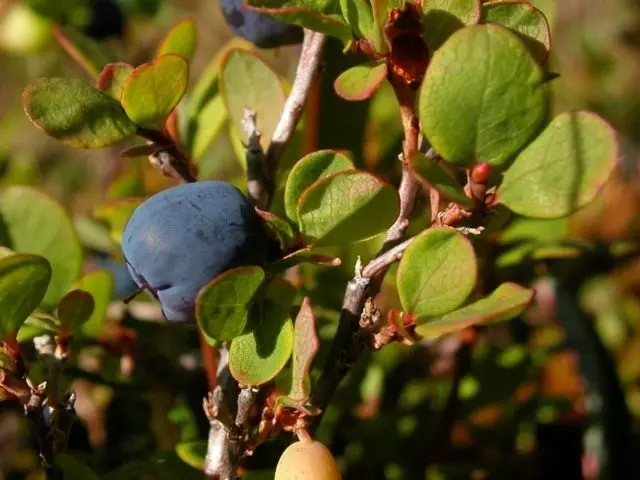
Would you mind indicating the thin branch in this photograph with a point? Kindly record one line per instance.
(169, 159)
(383, 261)
(257, 180)
(308, 67)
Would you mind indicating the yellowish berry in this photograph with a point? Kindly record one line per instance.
(307, 460)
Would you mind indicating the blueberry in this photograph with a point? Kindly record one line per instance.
(181, 238)
(260, 29)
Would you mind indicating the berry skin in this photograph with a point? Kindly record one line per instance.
(307, 460)
(260, 29)
(181, 238)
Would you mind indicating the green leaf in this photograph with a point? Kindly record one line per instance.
(94, 235)
(442, 18)
(534, 230)
(255, 357)
(483, 97)
(380, 12)
(23, 283)
(563, 169)
(524, 19)
(74, 469)
(38, 323)
(280, 230)
(360, 82)
(36, 224)
(308, 169)
(206, 113)
(246, 81)
(435, 176)
(192, 453)
(346, 207)
(181, 40)
(359, 16)
(153, 90)
(76, 114)
(437, 273)
(116, 214)
(75, 308)
(112, 78)
(85, 51)
(304, 350)
(318, 15)
(100, 285)
(506, 302)
(222, 306)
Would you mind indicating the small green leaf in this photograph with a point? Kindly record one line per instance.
(222, 306)
(38, 323)
(437, 273)
(435, 176)
(506, 302)
(359, 16)
(74, 469)
(280, 230)
(116, 214)
(380, 12)
(181, 40)
(246, 81)
(192, 453)
(309, 169)
(153, 90)
(85, 51)
(255, 357)
(483, 96)
(318, 15)
(360, 82)
(76, 114)
(281, 292)
(304, 350)
(563, 169)
(75, 308)
(36, 224)
(523, 18)
(112, 78)
(94, 235)
(441, 18)
(100, 285)
(534, 230)
(23, 283)
(346, 207)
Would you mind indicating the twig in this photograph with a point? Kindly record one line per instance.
(169, 159)
(257, 180)
(383, 261)
(308, 67)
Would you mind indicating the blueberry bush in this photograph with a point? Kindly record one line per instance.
(359, 239)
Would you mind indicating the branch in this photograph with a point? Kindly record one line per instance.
(308, 67)
(257, 179)
(169, 159)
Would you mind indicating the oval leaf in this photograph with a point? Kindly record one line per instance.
(76, 114)
(346, 207)
(360, 82)
(153, 90)
(181, 40)
(506, 302)
(222, 306)
(258, 356)
(441, 18)
(437, 273)
(75, 309)
(279, 229)
(483, 97)
(248, 82)
(36, 224)
(523, 18)
(563, 169)
(305, 348)
(309, 169)
(100, 285)
(112, 78)
(23, 283)
(435, 176)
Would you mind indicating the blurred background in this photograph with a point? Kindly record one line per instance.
(553, 394)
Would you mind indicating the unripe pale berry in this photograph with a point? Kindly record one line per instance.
(480, 173)
(307, 460)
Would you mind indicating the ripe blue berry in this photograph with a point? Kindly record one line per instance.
(260, 29)
(181, 238)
